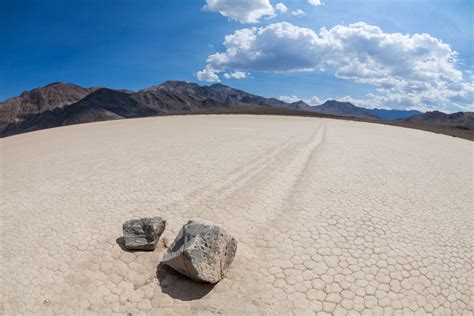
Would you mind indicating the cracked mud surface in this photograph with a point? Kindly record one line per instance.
(332, 217)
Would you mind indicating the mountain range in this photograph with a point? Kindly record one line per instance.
(60, 104)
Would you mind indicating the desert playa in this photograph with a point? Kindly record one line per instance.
(332, 217)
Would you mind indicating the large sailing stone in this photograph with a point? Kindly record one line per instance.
(201, 252)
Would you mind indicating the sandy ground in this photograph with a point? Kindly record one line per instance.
(331, 217)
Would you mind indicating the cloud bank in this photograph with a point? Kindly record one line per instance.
(405, 69)
(314, 100)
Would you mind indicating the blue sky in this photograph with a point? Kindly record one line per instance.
(370, 53)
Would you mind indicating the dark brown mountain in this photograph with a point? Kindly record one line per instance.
(465, 119)
(220, 93)
(101, 105)
(300, 105)
(106, 104)
(178, 97)
(50, 97)
(334, 107)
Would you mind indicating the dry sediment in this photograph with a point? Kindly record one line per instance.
(331, 216)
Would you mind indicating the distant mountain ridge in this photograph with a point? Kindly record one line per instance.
(224, 94)
(387, 115)
(334, 107)
(60, 104)
(440, 118)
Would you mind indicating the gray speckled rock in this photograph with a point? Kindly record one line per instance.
(143, 233)
(201, 252)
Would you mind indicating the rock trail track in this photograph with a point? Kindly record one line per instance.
(332, 217)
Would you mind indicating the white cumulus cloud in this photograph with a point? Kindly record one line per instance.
(207, 74)
(244, 11)
(314, 100)
(297, 12)
(315, 2)
(403, 68)
(280, 7)
(289, 98)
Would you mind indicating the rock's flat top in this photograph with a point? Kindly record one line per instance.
(330, 216)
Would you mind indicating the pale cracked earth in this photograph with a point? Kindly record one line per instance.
(332, 217)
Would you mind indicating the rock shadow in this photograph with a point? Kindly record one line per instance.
(179, 286)
(121, 242)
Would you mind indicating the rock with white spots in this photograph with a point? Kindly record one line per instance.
(201, 252)
(143, 233)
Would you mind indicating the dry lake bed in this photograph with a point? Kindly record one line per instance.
(332, 217)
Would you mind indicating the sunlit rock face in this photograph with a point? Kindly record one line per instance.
(202, 252)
